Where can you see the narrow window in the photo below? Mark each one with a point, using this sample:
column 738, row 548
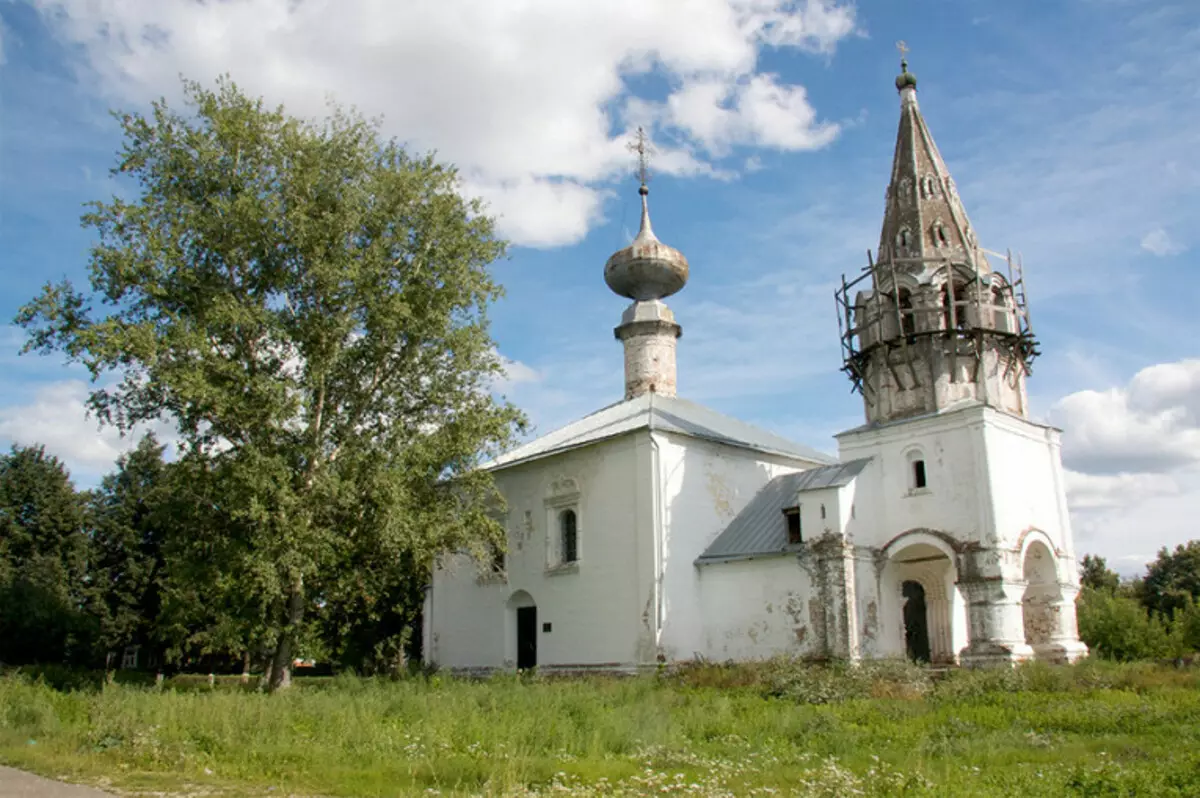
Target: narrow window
column 792, row 514
column 570, row 536
column 822, row 512
column 918, row 473
column 498, row 560
column 908, row 321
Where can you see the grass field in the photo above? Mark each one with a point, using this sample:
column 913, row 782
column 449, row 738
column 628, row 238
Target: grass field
column 774, row 729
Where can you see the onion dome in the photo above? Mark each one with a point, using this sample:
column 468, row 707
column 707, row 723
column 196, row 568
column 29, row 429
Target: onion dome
column 905, row 79
column 646, row 269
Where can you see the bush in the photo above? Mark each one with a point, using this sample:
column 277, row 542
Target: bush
column 1118, row 627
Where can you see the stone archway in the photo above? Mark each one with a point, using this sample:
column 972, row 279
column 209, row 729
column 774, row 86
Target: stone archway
column 920, row 570
column 1042, row 596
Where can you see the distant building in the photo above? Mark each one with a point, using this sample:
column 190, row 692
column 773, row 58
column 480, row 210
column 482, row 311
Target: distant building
column 656, row 530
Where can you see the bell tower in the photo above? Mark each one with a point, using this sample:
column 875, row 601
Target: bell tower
column 929, row 324
column 963, row 503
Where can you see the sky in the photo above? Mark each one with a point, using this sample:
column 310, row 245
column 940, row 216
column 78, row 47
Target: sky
column 1070, row 128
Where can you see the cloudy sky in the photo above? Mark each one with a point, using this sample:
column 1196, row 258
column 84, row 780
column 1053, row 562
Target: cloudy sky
column 774, row 121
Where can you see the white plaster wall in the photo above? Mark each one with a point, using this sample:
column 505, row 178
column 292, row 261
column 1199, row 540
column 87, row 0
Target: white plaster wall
column 704, row 485
column 1025, row 477
column 955, row 499
column 754, row 609
column 594, row 610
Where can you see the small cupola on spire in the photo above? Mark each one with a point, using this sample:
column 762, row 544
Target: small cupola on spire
column 646, row 271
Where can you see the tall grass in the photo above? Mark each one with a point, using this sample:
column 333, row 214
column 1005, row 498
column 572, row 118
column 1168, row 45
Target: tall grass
column 704, row 729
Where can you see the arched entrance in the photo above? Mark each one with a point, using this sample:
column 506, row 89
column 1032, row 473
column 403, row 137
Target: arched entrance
column 916, row 622
column 523, row 630
column 1042, row 595
column 925, row 614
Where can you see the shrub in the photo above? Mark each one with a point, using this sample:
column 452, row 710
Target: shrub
column 1118, row 627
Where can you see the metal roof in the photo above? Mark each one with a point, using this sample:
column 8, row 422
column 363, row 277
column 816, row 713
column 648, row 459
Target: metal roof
column 759, row 529
column 667, row 414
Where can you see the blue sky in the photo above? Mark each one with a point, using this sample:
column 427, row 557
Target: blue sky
column 1070, row 127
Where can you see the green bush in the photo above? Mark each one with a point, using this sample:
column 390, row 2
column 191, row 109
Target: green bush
column 1118, row 627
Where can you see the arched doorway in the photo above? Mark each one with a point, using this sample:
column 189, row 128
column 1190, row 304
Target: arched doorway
column 916, row 622
column 925, row 614
column 1042, row 594
column 523, row 630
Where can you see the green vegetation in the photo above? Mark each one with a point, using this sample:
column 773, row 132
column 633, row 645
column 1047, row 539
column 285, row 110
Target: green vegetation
column 305, row 303
column 882, row 729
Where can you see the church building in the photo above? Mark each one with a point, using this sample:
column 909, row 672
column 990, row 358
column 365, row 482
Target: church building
column 657, row 530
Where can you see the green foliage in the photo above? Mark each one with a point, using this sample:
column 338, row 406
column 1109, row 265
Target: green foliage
column 1172, row 581
column 307, row 303
column 1118, row 627
column 1094, row 574
column 43, row 561
column 1096, row 728
column 131, row 527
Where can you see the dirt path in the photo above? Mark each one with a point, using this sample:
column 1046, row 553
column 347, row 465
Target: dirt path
column 19, row 784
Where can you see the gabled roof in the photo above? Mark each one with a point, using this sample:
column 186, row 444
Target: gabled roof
column 759, row 529
column 668, row 414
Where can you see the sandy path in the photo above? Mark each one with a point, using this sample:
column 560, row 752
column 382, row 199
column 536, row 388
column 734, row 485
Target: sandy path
column 19, row 784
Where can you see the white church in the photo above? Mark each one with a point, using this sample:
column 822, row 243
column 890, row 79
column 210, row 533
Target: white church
column 656, row 530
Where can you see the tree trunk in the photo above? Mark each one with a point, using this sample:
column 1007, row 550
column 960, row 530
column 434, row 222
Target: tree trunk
column 246, row 666
column 281, row 666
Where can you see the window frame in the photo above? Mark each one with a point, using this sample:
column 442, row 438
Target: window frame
column 793, row 525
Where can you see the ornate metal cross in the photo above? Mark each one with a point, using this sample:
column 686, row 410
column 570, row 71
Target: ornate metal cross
column 641, row 145
column 903, row 48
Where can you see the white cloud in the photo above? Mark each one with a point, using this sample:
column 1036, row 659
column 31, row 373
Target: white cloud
column 57, row 417
column 1151, row 425
column 720, row 114
column 1159, row 242
column 1115, row 491
column 520, row 95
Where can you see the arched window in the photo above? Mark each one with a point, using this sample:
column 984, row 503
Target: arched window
column 918, row 476
column 940, row 239
column 904, row 240
column 569, row 536
column 1001, row 315
column 958, row 317
column 908, row 321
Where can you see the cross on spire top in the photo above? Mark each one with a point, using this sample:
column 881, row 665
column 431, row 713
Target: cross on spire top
column 641, row 145
column 903, row 48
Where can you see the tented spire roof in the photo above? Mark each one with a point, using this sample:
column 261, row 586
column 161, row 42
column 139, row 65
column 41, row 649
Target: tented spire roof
column 924, row 217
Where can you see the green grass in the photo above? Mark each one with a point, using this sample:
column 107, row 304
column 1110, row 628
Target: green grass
column 1093, row 729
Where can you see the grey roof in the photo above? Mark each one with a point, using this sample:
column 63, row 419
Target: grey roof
column 668, row 414
column 759, row 529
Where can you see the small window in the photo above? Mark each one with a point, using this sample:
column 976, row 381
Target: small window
column 918, row 467
column 570, row 536
column 822, row 512
column 499, row 561
column 792, row 514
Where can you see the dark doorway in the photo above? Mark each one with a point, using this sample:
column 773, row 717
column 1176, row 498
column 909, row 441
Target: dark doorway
column 526, row 637
column 916, row 622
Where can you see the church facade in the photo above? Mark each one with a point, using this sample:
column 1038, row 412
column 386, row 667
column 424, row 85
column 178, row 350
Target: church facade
column 657, row 530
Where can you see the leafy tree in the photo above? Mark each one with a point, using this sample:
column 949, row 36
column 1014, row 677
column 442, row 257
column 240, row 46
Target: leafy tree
column 43, row 561
column 1094, row 573
column 307, row 302
column 1172, row 581
column 130, row 530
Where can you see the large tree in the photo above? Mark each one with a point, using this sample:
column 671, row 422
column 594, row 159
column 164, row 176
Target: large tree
column 306, row 301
